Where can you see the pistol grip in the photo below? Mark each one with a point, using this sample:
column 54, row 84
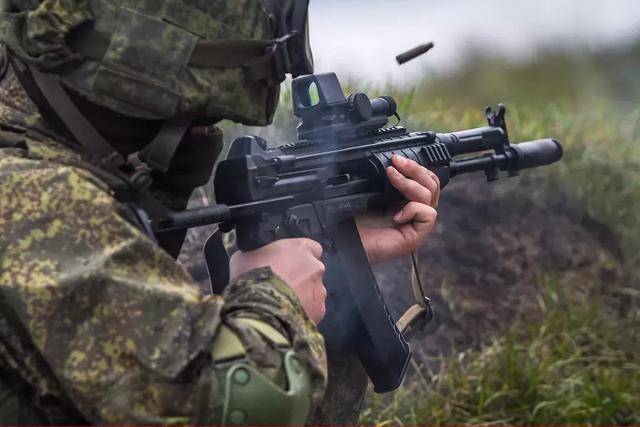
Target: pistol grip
column 357, row 319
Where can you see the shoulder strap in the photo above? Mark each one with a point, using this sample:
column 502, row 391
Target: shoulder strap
column 159, row 153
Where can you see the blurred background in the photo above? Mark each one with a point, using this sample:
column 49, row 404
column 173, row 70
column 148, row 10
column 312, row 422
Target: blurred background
column 360, row 38
column 534, row 278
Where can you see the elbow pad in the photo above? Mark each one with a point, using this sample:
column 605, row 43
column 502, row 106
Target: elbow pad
column 250, row 397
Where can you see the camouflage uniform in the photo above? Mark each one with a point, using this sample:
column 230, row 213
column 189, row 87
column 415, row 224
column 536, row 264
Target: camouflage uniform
column 98, row 324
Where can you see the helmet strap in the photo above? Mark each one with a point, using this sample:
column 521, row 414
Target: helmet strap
column 159, row 153
column 60, row 105
column 54, row 102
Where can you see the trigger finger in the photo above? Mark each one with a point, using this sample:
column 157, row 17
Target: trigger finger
column 421, row 216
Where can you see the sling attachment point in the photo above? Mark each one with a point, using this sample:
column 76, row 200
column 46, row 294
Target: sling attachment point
column 273, row 66
column 416, row 319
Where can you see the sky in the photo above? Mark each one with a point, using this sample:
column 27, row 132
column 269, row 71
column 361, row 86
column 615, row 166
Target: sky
column 360, row 38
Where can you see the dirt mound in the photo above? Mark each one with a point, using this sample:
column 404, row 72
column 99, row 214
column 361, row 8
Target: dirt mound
column 495, row 248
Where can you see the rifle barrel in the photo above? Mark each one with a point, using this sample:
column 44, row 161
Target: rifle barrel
column 525, row 155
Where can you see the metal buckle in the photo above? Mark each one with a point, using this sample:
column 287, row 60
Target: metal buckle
column 278, row 62
column 280, row 57
column 414, row 321
column 141, row 178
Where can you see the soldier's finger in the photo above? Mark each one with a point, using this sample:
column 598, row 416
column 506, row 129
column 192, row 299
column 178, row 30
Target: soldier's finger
column 435, row 195
column 422, row 216
column 410, row 189
column 315, row 247
column 416, row 172
column 319, row 270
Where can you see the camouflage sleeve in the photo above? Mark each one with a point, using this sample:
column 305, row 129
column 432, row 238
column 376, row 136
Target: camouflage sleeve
column 126, row 336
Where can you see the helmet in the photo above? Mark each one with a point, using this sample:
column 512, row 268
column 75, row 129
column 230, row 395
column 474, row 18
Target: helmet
column 161, row 59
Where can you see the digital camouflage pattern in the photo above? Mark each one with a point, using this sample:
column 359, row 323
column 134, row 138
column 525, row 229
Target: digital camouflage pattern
column 98, row 324
column 145, row 70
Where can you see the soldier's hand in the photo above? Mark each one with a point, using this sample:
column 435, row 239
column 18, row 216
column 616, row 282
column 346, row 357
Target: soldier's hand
column 298, row 263
column 386, row 237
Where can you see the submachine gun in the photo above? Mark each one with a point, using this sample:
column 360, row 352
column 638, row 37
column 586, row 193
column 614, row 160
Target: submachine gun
column 316, row 186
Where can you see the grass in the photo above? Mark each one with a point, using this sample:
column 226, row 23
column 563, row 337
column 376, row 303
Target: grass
column 579, row 366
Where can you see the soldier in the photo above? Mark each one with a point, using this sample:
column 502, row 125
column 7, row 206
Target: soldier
column 107, row 110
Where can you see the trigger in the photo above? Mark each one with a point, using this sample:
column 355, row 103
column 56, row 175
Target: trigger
column 298, row 227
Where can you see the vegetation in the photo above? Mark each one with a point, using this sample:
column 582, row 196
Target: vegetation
column 579, row 366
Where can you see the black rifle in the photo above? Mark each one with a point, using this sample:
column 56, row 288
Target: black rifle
column 336, row 171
